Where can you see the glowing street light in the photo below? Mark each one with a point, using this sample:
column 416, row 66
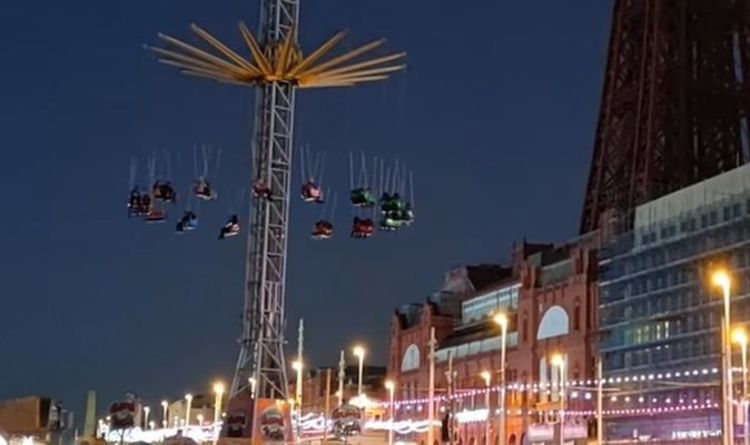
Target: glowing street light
column 188, row 405
column 559, row 361
column 164, row 408
column 501, row 319
column 359, row 352
column 739, row 336
column 199, row 417
column 721, row 279
column 391, row 387
column 146, row 411
column 219, row 391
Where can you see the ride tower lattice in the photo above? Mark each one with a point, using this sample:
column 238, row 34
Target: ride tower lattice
column 675, row 105
column 277, row 68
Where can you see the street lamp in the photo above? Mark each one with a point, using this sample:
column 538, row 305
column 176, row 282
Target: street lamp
column 559, row 361
column 219, row 391
column 164, row 407
column 501, row 319
column 359, row 351
column 391, row 387
column 739, row 336
column 152, row 425
column 189, row 405
column 297, row 366
column 721, row 279
column 199, row 417
column 487, row 378
column 146, row 411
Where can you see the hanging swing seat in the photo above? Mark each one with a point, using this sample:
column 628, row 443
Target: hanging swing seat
column 312, row 193
column 362, row 197
column 155, row 216
column 322, row 230
column 202, row 190
column 261, row 189
column 363, row 228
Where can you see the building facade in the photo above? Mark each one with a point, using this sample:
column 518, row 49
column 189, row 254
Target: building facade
column 36, row 420
column 549, row 294
column 660, row 317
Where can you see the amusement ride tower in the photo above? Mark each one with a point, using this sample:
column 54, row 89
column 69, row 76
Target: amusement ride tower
column 276, row 68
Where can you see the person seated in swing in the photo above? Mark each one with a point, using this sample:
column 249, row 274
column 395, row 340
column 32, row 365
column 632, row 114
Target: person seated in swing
column 312, row 193
column 389, row 223
column 155, row 215
column 189, row 221
column 231, row 228
column 164, row 191
column 261, row 189
column 134, row 202
column 203, row 189
column 362, row 228
column 362, row 197
column 145, row 204
column 323, row 230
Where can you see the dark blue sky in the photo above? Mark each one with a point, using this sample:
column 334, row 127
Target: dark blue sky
column 495, row 115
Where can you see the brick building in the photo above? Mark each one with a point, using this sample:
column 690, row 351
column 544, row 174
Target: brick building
column 550, row 295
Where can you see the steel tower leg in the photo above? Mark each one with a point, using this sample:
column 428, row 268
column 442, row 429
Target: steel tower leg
column 676, row 101
column 262, row 343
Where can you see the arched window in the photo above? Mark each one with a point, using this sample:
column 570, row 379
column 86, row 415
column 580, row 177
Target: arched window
column 577, row 316
column 411, row 358
column 554, row 323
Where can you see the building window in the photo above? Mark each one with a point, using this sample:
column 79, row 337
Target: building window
column 577, row 317
column 554, row 323
column 411, row 358
column 525, row 329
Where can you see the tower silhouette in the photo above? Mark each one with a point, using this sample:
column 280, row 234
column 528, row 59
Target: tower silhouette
column 675, row 105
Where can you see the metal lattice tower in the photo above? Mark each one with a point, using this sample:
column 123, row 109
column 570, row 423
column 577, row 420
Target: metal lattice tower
column 277, row 68
column 262, row 349
column 676, row 101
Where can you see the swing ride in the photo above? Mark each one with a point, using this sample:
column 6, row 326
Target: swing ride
column 277, row 67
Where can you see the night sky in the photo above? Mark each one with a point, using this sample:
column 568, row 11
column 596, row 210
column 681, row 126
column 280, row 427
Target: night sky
column 495, row 116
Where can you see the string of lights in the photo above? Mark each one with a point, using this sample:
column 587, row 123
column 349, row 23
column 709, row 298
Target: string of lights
column 585, row 386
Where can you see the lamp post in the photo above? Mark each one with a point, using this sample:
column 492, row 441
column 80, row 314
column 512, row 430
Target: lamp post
column 391, row 387
column 152, row 425
column 502, row 320
column 219, row 391
column 559, row 361
column 487, row 378
column 199, row 418
column 739, row 336
column 359, row 351
column 297, row 366
column 188, row 405
column 721, row 279
column 164, row 408
column 146, row 411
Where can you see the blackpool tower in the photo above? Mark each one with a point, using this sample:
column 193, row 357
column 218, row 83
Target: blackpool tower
column 675, row 105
